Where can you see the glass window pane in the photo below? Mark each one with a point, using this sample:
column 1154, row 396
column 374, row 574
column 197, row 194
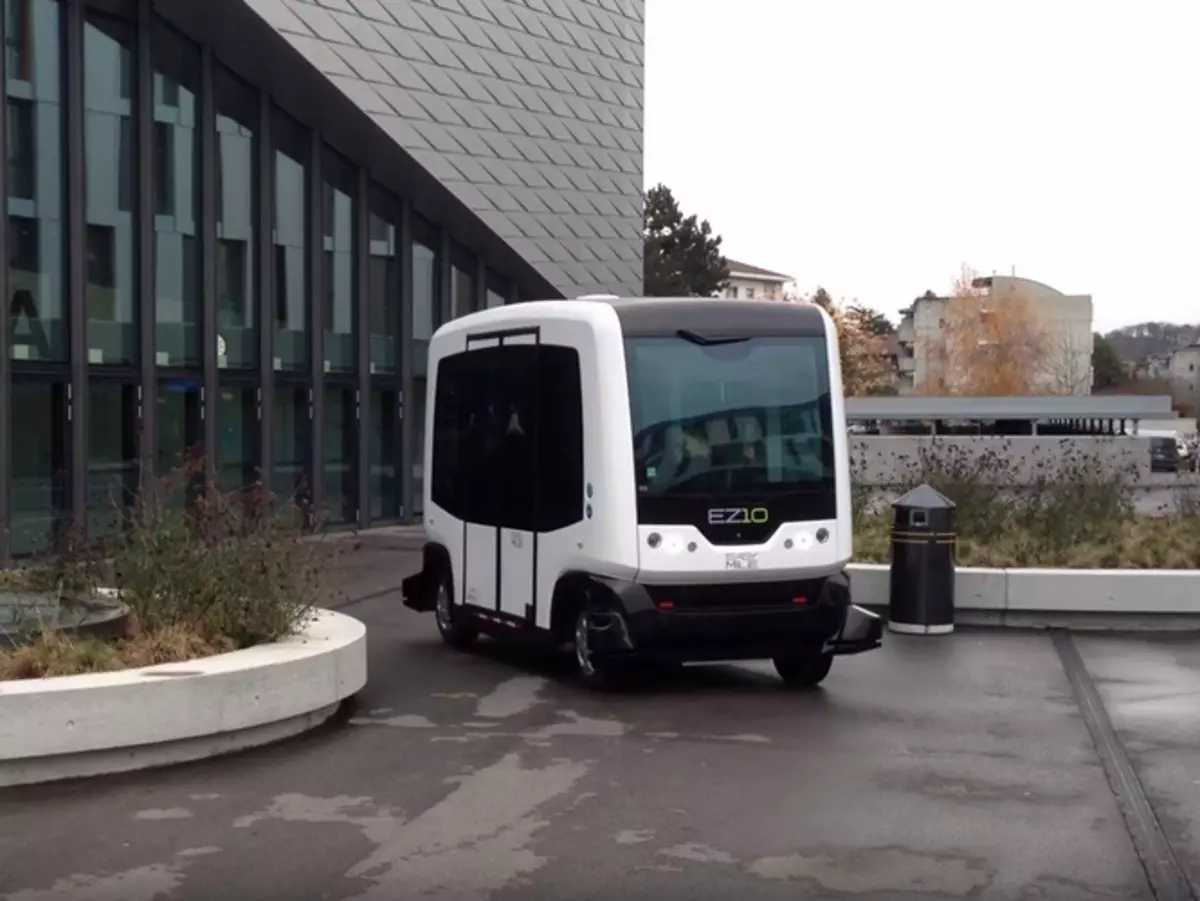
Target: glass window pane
column 291, row 243
column 291, row 429
column 385, row 455
column 497, row 291
column 39, row 465
column 34, row 160
column 176, row 170
column 180, row 428
column 383, row 289
column 341, row 434
column 418, row 450
column 338, row 272
column 237, row 214
column 426, row 312
column 237, row 459
column 112, row 465
column 110, row 148
column 747, row 419
column 462, row 287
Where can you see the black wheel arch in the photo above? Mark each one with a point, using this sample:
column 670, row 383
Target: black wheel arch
column 572, row 590
column 419, row 591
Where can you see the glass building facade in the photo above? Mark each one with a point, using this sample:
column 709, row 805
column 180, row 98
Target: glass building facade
column 232, row 228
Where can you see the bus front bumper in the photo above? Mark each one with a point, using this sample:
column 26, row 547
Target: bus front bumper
column 742, row 622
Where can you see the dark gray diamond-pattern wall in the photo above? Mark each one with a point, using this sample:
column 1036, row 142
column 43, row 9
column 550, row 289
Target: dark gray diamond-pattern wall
column 530, row 111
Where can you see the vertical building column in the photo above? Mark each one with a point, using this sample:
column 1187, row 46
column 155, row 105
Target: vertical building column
column 208, row 260
column 362, row 332
column 5, row 322
column 315, row 202
column 77, row 405
column 266, row 282
column 143, row 123
column 408, row 453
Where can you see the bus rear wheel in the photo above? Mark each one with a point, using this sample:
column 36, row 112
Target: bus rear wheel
column 452, row 631
column 803, row 670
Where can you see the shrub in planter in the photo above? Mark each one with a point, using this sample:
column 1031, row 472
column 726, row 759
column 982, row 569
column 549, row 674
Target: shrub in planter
column 226, row 566
column 1068, row 508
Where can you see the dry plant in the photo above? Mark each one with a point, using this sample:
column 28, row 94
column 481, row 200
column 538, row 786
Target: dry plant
column 865, row 358
column 1076, row 511
column 202, row 572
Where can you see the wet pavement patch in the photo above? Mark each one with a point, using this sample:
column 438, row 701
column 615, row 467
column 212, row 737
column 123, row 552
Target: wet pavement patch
column 956, row 767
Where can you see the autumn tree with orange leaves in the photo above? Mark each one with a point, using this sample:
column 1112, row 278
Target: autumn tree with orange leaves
column 866, row 361
column 986, row 346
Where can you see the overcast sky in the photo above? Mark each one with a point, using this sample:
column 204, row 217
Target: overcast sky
column 873, row 146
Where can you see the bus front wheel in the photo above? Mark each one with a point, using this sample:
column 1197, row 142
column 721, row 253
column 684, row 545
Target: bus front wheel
column 596, row 671
column 803, row 670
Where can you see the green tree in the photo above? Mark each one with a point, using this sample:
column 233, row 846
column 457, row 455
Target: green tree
column 822, row 299
column 871, row 321
column 682, row 256
column 1107, row 369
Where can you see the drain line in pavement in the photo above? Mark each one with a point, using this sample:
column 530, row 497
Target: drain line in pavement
column 1168, row 879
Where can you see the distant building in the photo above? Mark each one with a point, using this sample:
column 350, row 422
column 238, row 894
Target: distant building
column 748, row 282
column 1184, row 371
column 1067, row 316
column 1154, row 366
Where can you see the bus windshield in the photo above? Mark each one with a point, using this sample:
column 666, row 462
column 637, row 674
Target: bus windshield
column 730, row 417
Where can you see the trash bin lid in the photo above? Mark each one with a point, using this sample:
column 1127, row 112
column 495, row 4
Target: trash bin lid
column 924, row 497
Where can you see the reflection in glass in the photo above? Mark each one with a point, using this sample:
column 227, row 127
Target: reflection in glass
column 176, row 176
column 462, row 289
column 749, row 416
column 112, row 464
column 180, row 440
column 383, row 288
column 39, row 465
column 110, row 148
column 34, row 160
column 292, row 446
column 341, row 427
column 497, row 290
column 291, row 244
column 385, row 455
column 237, row 210
column 418, row 452
column 338, row 271
column 237, row 459
column 426, row 309
column 180, row 428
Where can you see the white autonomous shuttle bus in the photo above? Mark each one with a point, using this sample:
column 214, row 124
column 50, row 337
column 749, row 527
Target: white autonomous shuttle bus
column 644, row 480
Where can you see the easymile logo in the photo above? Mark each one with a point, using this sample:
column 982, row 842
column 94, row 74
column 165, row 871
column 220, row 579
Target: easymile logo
column 732, row 516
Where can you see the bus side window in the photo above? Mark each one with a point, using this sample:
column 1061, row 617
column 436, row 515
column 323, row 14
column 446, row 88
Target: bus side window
column 559, row 438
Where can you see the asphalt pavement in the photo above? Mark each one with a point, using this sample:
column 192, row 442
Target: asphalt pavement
column 952, row 767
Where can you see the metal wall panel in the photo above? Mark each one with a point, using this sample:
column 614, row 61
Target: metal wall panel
column 529, row 111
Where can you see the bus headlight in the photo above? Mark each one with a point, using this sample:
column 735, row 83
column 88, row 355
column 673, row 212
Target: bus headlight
column 803, row 540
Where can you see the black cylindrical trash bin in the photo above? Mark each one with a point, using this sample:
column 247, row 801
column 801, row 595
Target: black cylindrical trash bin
column 921, row 596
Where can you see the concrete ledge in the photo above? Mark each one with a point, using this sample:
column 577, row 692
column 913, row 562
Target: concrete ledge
column 72, row 726
column 1166, row 599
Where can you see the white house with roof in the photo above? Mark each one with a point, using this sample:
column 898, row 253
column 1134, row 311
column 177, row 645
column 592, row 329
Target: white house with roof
column 748, row 282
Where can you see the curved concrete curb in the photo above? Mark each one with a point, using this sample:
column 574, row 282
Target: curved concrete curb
column 1143, row 599
column 72, row 726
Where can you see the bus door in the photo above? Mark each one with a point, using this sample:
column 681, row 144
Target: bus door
column 518, row 538
column 478, row 423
